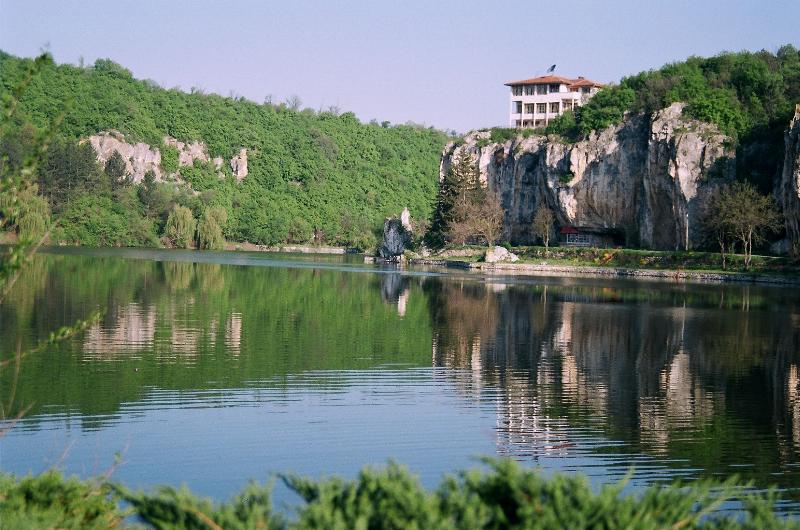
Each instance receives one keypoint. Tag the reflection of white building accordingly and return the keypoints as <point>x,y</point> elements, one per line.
<point>536,101</point>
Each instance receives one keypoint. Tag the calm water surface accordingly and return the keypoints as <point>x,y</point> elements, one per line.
<point>210,369</point>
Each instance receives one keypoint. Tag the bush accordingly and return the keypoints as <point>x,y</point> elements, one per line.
<point>504,496</point>
<point>500,135</point>
<point>51,501</point>
<point>169,159</point>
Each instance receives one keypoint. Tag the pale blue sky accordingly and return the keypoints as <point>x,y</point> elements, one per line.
<point>441,63</point>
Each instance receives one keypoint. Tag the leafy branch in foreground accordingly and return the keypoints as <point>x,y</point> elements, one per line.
<point>506,495</point>
<point>23,209</point>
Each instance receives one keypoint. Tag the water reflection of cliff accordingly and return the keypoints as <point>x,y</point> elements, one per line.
<point>176,325</point>
<point>671,371</point>
<point>131,328</point>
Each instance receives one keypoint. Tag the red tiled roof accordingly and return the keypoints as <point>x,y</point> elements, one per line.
<point>585,82</point>
<point>542,80</point>
<point>547,79</point>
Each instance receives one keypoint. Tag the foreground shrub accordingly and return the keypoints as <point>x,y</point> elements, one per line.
<point>51,501</point>
<point>506,495</point>
<point>169,508</point>
<point>378,498</point>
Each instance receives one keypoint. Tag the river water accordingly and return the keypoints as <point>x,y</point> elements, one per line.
<point>209,369</point>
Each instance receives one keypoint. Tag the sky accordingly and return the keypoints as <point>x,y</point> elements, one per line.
<point>434,62</point>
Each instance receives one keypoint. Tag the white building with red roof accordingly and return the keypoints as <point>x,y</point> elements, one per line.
<point>536,101</point>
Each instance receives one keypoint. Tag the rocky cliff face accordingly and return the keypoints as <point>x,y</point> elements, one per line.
<point>141,158</point>
<point>787,188</point>
<point>643,180</point>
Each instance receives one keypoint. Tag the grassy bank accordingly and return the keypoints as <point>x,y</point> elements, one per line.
<point>634,259</point>
<point>505,496</point>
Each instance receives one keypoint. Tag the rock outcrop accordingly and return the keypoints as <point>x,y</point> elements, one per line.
<point>188,152</point>
<point>396,238</point>
<point>239,165</point>
<point>499,255</point>
<point>141,158</point>
<point>787,189</point>
<point>642,181</point>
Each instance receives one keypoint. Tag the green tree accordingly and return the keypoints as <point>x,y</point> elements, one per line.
<point>180,227</point>
<point>460,181</point>
<point>117,171</point>
<point>740,213</point>
<point>210,229</point>
<point>33,219</point>
<point>69,169</point>
<point>751,217</point>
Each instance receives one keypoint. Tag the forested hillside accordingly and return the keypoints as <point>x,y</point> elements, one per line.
<point>317,176</point>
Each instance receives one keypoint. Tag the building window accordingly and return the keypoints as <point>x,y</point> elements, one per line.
<point>529,90</point>
<point>519,123</point>
<point>516,107</point>
<point>566,104</point>
<point>554,107</point>
<point>539,123</point>
<point>541,89</point>
<point>528,108</point>
<point>555,88</point>
<point>516,90</point>
<point>541,108</point>
<point>585,89</point>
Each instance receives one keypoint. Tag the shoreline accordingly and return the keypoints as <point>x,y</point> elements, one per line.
<point>533,269</point>
<point>515,268</point>
<point>291,249</point>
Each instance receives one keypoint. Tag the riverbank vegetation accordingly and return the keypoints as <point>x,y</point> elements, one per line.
<point>504,496</point>
<point>634,259</point>
<point>314,176</point>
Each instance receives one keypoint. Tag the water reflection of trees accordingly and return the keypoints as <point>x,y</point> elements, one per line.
<point>193,326</point>
<point>688,373</point>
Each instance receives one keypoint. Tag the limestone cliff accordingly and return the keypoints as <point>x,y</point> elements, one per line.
<point>141,158</point>
<point>787,188</point>
<point>643,180</point>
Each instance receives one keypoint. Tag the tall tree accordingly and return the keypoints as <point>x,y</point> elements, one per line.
<point>543,225</point>
<point>209,229</point>
<point>180,227</point>
<point>117,171</point>
<point>459,183</point>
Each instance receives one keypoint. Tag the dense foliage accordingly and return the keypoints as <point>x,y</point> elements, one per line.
<point>507,496</point>
<point>465,211</point>
<point>750,96</point>
<point>312,175</point>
